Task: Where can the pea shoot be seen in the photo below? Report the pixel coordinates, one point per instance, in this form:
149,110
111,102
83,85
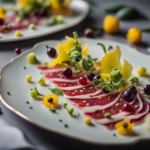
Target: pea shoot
52,110
34,93
70,111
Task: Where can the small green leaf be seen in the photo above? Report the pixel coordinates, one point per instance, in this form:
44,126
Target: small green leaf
67,62
56,91
46,63
52,110
8,93
89,58
31,107
116,77
108,87
110,48
24,67
27,102
114,134
65,125
133,80
104,49
85,64
60,120
98,82
78,114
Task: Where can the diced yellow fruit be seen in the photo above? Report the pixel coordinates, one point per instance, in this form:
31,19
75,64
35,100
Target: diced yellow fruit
111,24
87,121
111,60
126,70
105,75
18,33
41,81
2,13
128,130
142,71
53,103
134,35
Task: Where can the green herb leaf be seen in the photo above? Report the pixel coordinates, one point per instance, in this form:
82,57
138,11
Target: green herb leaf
108,87
85,64
56,91
104,49
31,107
41,72
110,48
65,106
116,77
98,82
107,115
52,110
133,80
46,63
67,62
60,120
78,114
75,38
89,58
27,102
114,134
24,67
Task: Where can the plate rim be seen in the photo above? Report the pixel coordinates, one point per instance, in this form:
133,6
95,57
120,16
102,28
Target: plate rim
51,32
55,131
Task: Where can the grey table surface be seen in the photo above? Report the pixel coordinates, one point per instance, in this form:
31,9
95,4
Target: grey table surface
45,140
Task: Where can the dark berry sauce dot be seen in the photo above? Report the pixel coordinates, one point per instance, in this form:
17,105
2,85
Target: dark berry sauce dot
50,100
67,72
1,21
128,95
96,77
147,89
127,107
133,88
82,80
18,50
125,125
88,33
91,76
104,90
51,52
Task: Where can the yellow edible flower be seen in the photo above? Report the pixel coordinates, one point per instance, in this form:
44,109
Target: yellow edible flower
112,60
111,24
64,50
124,127
24,3
142,71
134,35
2,13
50,100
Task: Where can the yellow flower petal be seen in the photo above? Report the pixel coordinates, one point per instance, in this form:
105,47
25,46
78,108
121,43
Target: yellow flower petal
111,60
126,70
85,49
105,75
2,12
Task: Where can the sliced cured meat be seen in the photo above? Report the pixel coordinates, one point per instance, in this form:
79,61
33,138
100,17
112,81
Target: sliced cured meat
96,103
117,113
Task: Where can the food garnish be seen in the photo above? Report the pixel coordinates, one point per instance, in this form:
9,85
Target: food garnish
24,67
88,121
142,71
18,51
65,125
28,78
88,33
52,110
32,26
27,102
107,115
8,93
51,52
31,107
32,58
70,111
18,33
125,127
56,91
50,100
42,81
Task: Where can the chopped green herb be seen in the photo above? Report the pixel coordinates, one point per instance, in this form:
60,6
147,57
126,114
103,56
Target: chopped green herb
41,72
52,110
108,87
67,62
110,48
78,114
98,82
104,49
27,102
24,67
107,115
56,19
46,63
31,107
114,134
133,80
116,77
65,125
60,120
56,91
65,106
8,93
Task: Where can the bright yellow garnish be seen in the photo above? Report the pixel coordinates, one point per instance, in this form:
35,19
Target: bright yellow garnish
24,3
134,35
18,33
28,78
112,60
142,71
2,13
87,121
125,127
50,100
64,50
111,24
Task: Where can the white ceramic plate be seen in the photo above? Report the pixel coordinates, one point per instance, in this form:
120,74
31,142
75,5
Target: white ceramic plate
13,80
80,9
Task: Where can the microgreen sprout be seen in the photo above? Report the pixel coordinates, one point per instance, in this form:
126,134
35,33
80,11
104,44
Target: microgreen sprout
70,111
52,110
8,93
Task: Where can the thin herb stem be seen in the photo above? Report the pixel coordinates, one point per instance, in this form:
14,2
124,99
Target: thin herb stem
104,49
